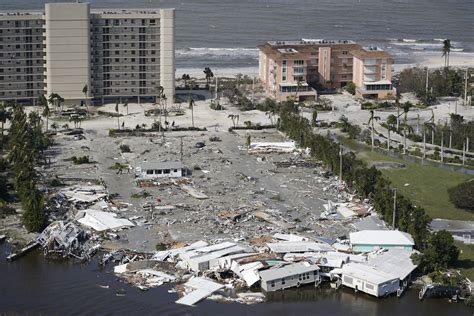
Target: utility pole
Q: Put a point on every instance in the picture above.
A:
(216, 89)
(181, 149)
(465, 87)
(394, 207)
(463, 153)
(426, 89)
(450, 137)
(424, 143)
(442, 146)
(388, 140)
(253, 89)
(340, 164)
(456, 104)
(467, 144)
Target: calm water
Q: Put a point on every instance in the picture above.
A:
(33, 285)
(223, 33)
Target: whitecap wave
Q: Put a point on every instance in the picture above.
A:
(235, 52)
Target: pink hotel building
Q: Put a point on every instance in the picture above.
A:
(296, 68)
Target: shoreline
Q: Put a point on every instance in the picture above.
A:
(431, 60)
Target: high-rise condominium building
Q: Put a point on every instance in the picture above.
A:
(119, 54)
(296, 68)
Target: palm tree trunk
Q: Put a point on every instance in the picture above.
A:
(192, 115)
(47, 123)
(388, 140)
(424, 143)
(404, 140)
(373, 134)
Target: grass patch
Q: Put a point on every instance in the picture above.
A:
(428, 185)
(465, 263)
(141, 195)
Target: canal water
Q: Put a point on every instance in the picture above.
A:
(33, 285)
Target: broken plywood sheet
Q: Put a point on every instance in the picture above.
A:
(193, 192)
(271, 219)
(201, 288)
(298, 246)
(289, 237)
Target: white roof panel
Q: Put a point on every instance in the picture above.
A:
(396, 262)
(287, 270)
(366, 273)
(381, 237)
(298, 246)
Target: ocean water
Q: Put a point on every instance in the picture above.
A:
(223, 33)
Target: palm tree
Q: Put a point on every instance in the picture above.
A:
(4, 115)
(299, 83)
(234, 118)
(191, 106)
(185, 78)
(397, 103)
(46, 114)
(209, 74)
(125, 105)
(446, 51)
(42, 101)
(371, 122)
(314, 117)
(85, 90)
(406, 108)
(52, 99)
(118, 114)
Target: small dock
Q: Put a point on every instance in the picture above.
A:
(23, 251)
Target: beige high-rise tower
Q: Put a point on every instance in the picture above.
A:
(119, 54)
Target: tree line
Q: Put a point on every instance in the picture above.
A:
(25, 145)
(369, 183)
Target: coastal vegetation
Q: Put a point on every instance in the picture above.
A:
(26, 144)
(441, 82)
(462, 195)
(369, 182)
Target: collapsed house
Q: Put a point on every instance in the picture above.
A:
(85, 194)
(269, 147)
(206, 258)
(288, 261)
(64, 240)
(102, 221)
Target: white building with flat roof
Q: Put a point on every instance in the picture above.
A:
(119, 54)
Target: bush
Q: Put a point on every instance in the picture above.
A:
(141, 195)
(351, 87)
(125, 148)
(462, 195)
(6, 210)
(439, 254)
(80, 160)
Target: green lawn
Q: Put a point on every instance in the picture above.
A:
(466, 260)
(425, 186)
